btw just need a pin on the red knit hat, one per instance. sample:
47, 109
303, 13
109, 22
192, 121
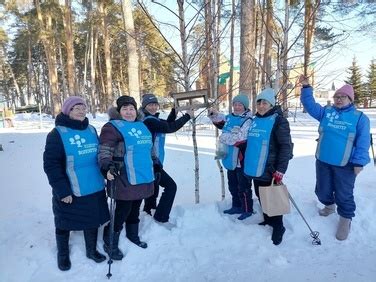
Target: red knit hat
348, 90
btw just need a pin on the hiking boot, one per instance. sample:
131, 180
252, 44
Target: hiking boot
277, 234
343, 229
245, 215
233, 210
327, 210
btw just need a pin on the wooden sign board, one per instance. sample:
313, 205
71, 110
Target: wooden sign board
195, 99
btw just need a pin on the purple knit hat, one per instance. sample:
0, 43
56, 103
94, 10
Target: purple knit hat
348, 90
70, 102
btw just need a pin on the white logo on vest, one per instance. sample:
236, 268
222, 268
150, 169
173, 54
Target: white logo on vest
332, 116
135, 133
77, 140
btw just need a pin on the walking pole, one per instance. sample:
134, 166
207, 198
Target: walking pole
373, 152
112, 222
314, 234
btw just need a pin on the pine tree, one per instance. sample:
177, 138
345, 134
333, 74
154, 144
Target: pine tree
371, 83
355, 80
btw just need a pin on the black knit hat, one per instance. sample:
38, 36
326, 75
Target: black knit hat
148, 99
125, 100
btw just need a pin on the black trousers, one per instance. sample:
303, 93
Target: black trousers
232, 181
244, 190
126, 211
274, 221
163, 208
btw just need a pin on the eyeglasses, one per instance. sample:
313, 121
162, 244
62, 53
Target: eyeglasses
79, 108
342, 98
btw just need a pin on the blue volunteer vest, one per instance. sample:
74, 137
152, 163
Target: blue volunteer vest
231, 160
339, 129
138, 146
82, 167
258, 141
159, 143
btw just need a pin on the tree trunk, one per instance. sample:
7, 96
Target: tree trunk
48, 41
267, 61
232, 51
310, 12
107, 53
133, 68
71, 74
247, 48
284, 51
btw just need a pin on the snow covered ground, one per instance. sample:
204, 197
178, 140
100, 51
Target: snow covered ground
206, 245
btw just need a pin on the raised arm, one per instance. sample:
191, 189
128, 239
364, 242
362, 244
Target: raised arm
306, 97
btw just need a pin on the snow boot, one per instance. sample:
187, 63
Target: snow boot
343, 229
90, 236
245, 215
132, 234
327, 210
266, 220
233, 210
277, 234
116, 254
62, 243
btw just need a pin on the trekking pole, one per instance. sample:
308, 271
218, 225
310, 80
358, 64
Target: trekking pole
314, 234
112, 223
373, 152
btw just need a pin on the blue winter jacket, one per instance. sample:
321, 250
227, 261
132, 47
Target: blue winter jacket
360, 155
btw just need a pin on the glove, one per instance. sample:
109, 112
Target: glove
113, 170
278, 176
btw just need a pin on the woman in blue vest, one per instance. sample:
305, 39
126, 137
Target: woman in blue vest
342, 151
158, 128
126, 149
70, 161
238, 184
267, 148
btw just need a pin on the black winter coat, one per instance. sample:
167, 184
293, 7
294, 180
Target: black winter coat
84, 212
165, 126
280, 145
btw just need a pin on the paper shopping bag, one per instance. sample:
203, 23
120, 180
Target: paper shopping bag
274, 199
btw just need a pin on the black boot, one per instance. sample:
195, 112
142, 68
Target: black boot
266, 220
277, 234
63, 260
132, 235
116, 254
90, 236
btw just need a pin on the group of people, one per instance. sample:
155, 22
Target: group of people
129, 154
259, 149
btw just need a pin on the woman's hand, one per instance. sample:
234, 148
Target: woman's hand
67, 200
303, 80
110, 176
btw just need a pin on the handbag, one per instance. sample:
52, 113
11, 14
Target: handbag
274, 199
